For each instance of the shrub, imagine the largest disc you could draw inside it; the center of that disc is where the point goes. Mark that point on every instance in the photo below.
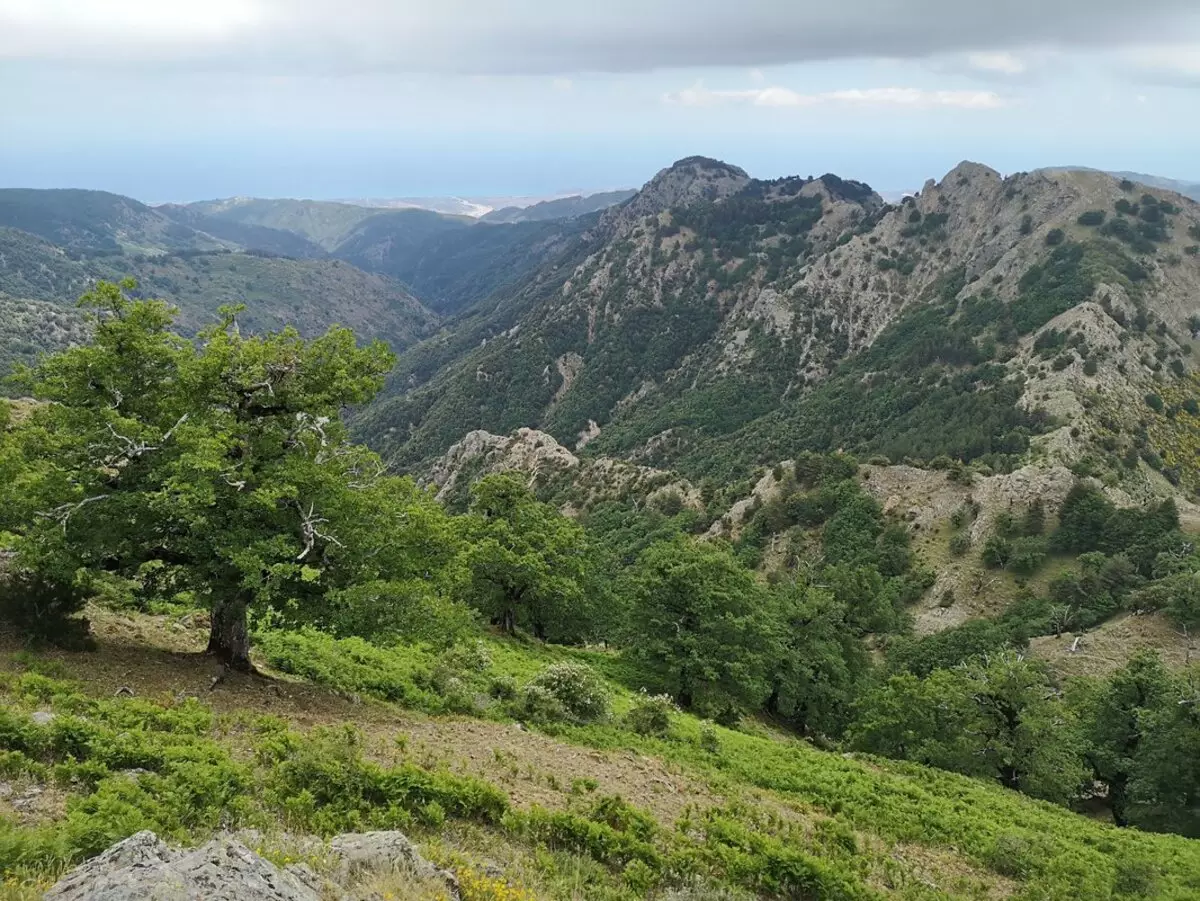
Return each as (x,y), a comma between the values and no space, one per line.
(1027,554)
(539,705)
(43,608)
(1055,236)
(1092,217)
(651,714)
(1012,856)
(1136,879)
(1026,224)
(1154,402)
(997,552)
(574,687)
(960,544)
(503,687)
(709,741)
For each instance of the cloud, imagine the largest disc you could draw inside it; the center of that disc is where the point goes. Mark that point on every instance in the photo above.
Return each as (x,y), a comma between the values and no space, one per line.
(1173,64)
(556,37)
(998,62)
(911,98)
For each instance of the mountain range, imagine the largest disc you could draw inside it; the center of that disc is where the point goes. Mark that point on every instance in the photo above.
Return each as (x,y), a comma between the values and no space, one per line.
(1035,328)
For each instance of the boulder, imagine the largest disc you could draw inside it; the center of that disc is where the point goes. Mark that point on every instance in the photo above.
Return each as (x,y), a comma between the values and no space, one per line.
(142,868)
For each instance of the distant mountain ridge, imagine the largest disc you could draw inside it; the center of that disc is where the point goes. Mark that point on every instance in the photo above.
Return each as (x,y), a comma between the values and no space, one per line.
(1186,188)
(560,208)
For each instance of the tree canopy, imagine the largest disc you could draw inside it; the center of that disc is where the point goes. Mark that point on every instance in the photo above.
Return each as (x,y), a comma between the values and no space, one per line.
(220,466)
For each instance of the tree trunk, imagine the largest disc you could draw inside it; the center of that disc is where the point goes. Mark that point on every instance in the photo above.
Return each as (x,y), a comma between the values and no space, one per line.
(229,639)
(1118,799)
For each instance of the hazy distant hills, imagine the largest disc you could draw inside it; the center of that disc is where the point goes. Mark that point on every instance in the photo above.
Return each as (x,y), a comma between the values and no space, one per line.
(561,208)
(301,262)
(98,222)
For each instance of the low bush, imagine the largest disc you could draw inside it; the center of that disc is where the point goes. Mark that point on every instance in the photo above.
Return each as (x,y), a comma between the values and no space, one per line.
(651,714)
(574,687)
(44,608)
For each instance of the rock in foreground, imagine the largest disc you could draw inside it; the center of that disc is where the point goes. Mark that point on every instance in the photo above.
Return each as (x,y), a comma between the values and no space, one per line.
(143,868)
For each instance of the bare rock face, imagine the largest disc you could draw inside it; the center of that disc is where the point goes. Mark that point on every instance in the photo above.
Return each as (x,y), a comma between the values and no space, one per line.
(526,451)
(374,852)
(142,868)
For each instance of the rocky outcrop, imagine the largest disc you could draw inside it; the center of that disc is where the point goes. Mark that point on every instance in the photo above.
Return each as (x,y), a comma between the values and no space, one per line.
(527,451)
(144,868)
(688,181)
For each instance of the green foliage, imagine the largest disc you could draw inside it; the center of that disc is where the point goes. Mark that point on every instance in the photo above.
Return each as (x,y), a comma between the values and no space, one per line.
(525,564)
(1055,236)
(697,629)
(42,607)
(993,716)
(1090,522)
(573,687)
(650,714)
(1092,217)
(225,463)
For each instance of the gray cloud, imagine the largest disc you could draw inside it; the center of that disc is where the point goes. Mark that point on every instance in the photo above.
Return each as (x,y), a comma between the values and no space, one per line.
(562,36)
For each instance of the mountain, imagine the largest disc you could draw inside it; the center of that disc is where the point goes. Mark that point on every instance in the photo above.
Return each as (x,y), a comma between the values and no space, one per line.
(321,222)
(311,295)
(1186,188)
(245,235)
(31,327)
(98,222)
(452,267)
(560,208)
(715,322)
(109,237)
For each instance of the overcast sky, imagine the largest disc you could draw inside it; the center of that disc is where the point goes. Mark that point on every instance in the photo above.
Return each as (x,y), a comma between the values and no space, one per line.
(189,99)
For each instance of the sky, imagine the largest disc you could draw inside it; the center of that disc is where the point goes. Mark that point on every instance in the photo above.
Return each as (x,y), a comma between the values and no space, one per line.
(175,100)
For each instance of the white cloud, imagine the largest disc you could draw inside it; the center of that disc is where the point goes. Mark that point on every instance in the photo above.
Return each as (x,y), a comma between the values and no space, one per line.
(42,27)
(913,98)
(559,38)
(999,62)
(1175,62)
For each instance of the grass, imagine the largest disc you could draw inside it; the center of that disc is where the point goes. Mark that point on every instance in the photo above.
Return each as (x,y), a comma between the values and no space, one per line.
(744,811)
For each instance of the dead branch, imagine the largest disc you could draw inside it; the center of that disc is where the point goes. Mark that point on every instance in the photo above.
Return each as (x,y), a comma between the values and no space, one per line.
(62,514)
(309,524)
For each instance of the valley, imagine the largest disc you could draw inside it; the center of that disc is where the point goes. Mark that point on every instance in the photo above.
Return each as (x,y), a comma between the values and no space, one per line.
(731,538)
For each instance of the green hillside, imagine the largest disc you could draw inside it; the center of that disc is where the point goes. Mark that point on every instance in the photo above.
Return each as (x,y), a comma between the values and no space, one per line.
(97,222)
(322,222)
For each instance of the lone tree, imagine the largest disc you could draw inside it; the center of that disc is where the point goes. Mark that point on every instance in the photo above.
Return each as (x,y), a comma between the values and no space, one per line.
(525,564)
(702,627)
(219,466)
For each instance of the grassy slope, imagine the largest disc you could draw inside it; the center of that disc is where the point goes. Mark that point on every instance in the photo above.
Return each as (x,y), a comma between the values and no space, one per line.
(309,294)
(885,829)
(323,222)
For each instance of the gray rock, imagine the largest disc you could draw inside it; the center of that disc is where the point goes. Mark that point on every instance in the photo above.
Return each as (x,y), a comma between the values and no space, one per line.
(142,868)
(381,852)
(42,717)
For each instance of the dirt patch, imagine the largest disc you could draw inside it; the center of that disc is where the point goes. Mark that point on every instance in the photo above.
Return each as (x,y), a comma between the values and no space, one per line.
(160,658)
(1110,645)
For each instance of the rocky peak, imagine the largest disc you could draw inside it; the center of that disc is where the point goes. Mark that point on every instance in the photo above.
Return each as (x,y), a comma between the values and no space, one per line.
(690,180)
